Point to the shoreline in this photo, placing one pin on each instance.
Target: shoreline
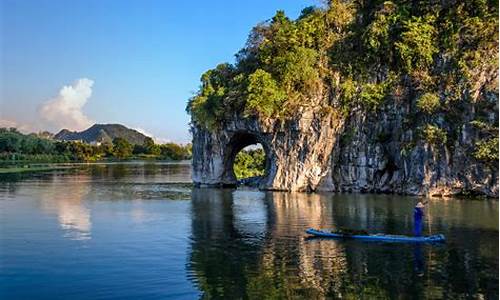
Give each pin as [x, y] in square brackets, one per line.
[32, 167]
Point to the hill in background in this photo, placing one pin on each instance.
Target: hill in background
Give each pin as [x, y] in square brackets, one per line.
[101, 133]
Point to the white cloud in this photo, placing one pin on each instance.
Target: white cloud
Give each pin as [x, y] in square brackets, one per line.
[65, 110]
[157, 140]
[160, 140]
[26, 128]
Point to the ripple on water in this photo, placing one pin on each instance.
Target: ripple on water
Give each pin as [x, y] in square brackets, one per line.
[142, 232]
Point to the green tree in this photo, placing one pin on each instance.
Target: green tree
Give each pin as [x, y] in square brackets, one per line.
[175, 151]
[264, 96]
[81, 151]
[122, 148]
[249, 163]
[150, 147]
[106, 149]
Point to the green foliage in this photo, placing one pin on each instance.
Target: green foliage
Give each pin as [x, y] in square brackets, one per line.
[348, 93]
[481, 125]
[357, 54]
[12, 140]
[433, 135]
[82, 151]
[122, 148]
[379, 35]
[485, 127]
[264, 96]
[428, 103]
[417, 46]
[207, 106]
[106, 149]
[150, 147]
[173, 151]
[372, 94]
[249, 163]
[487, 150]
[15, 146]
[297, 71]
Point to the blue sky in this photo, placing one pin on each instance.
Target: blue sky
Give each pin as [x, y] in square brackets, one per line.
[144, 58]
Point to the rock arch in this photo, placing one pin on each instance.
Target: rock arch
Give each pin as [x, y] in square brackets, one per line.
[214, 154]
[238, 141]
[298, 154]
[317, 151]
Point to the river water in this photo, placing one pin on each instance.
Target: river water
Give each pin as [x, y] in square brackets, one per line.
[140, 231]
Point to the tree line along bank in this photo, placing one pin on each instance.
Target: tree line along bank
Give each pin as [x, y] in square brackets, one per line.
[16, 146]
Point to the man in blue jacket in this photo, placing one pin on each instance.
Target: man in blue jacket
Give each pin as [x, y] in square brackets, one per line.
[418, 215]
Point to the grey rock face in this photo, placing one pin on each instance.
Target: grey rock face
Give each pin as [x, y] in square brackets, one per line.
[298, 153]
[366, 152]
[376, 158]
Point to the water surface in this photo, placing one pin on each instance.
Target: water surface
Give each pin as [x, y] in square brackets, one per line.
[140, 231]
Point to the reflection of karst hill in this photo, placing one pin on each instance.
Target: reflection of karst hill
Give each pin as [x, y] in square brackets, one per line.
[65, 198]
[222, 217]
[250, 244]
[320, 265]
[220, 255]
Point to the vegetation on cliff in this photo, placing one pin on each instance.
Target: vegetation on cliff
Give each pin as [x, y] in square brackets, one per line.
[15, 147]
[440, 58]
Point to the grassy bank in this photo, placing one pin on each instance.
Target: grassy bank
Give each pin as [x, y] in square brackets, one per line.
[27, 169]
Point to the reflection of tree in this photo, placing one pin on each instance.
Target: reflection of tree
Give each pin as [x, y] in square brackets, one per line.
[228, 263]
[220, 255]
[109, 171]
[319, 264]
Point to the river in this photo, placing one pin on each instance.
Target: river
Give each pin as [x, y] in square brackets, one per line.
[140, 231]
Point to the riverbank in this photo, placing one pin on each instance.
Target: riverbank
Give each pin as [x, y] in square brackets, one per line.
[57, 159]
[13, 167]
[27, 169]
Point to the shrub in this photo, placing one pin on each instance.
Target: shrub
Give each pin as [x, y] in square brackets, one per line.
[372, 94]
[417, 46]
[297, 70]
[207, 107]
[434, 135]
[487, 150]
[428, 103]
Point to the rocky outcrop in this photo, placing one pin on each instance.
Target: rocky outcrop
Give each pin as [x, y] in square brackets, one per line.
[298, 152]
[378, 154]
[365, 153]
[376, 151]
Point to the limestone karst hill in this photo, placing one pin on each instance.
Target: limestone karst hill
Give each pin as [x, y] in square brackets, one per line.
[102, 133]
[374, 96]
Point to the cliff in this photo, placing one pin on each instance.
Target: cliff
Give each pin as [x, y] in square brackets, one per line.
[390, 97]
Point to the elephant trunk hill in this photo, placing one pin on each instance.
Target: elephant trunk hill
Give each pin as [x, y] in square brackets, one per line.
[365, 97]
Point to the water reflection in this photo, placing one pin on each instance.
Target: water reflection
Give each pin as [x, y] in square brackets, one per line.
[67, 200]
[146, 234]
[250, 213]
[230, 262]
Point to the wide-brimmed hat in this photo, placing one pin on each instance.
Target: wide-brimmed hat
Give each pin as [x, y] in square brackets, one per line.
[420, 205]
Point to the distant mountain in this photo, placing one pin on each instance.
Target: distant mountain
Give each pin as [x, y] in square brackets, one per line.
[102, 133]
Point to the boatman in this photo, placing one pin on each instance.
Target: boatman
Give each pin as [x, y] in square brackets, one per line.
[418, 215]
